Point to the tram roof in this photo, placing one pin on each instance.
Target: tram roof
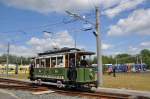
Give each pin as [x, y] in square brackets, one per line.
[66, 50]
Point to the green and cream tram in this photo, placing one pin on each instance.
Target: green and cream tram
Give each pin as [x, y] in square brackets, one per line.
[64, 66]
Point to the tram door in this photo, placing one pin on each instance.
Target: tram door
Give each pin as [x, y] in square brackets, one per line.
[72, 72]
[72, 60]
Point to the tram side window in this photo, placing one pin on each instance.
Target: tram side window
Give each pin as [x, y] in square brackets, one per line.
[60, 61]
[47, 62]
[37, 63]
[66, 61]
[53, 62]
[42, 62]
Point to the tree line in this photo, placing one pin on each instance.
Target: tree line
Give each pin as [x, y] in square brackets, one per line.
[13, 59]
[143, 56]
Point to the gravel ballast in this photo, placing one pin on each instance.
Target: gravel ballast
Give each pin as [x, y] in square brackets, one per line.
[18, 94]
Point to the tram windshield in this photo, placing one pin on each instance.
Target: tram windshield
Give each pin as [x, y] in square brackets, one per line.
[80, 59]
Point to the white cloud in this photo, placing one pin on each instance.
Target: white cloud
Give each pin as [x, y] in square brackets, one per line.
[133, 50]
[47, 6]
[21, 51]
[108, 3]
[47, 42]
[2, 46]
[138, 22]
[59, 40]
[145, 44]
[106, 46]
[136, 49]
[123, 5]
[16, 50]
[36, 45]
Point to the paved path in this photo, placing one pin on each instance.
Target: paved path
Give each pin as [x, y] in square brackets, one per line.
[123, 91]
[7, 95]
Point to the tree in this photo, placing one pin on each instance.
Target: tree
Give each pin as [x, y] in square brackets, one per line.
[108, 60]
[14, 59]
[105, 60]
[145, 55]
[125, 58]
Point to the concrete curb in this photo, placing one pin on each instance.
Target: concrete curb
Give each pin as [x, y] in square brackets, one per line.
[123, 91]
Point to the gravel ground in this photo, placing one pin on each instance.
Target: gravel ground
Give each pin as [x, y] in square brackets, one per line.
[18, 94]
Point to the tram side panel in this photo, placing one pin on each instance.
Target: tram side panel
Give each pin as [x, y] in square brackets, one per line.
[50, 73]
[84, 75]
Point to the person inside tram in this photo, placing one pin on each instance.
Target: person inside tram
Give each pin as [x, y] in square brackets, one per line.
[31, 70]
[72, 62]
[83, 62]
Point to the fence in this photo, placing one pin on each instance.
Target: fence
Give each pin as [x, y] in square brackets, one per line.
[18, 72]
[134, 77]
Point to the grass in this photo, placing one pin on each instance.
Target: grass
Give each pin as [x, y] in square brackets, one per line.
[135, 81]
[19, 76]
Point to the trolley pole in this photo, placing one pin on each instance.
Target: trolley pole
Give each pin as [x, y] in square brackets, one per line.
[7, 59]
[99, 52]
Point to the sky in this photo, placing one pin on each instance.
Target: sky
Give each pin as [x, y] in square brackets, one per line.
[33, 26]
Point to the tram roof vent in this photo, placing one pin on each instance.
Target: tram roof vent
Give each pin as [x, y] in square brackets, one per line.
[82, 49]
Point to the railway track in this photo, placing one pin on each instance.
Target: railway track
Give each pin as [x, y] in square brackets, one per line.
[21, 85]
[93, 95]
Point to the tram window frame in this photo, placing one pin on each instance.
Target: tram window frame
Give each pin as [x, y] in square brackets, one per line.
[66, 60]
[71, 56]
[42, 61]
[47, 60]
[37, 63]
[80, 58]
[60, 62]
[53, 60]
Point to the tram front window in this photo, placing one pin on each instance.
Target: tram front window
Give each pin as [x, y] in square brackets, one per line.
[83, 62]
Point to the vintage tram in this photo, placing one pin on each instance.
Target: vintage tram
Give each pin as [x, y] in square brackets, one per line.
[65, 66]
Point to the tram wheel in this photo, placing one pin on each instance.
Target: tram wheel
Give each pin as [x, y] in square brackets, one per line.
[59, 84]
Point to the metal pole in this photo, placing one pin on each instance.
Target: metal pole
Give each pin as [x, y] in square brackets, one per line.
[137, 59]
[7, 60]
[21, 61]
[141, 59]
[141, 62]
[99, 53]
[116, 62]
[75, 42]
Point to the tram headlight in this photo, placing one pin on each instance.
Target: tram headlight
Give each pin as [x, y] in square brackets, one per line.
[91, 75]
